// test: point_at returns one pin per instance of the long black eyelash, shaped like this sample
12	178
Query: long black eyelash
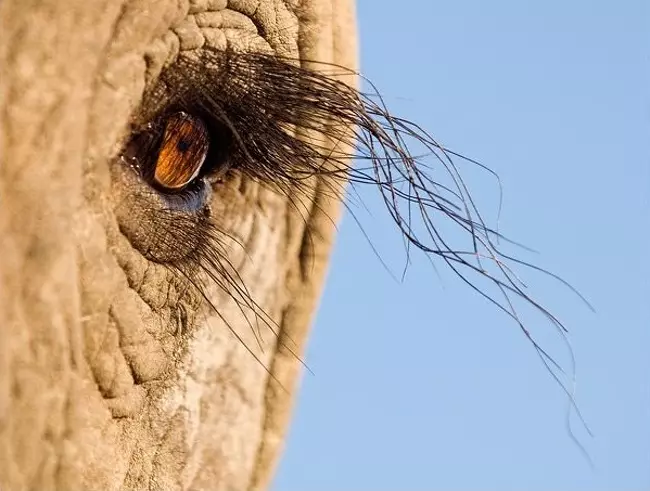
263	99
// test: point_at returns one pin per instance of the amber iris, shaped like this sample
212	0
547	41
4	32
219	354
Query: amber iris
182	152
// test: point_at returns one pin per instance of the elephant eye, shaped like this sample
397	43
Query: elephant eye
177	150
182	153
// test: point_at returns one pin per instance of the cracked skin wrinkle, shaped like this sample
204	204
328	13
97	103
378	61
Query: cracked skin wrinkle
172	175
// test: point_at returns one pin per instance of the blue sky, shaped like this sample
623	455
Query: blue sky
423	385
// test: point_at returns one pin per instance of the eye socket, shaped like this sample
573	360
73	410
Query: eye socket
182	152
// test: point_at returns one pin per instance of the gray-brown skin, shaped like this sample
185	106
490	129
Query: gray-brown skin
113	376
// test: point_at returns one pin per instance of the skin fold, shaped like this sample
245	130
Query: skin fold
113	374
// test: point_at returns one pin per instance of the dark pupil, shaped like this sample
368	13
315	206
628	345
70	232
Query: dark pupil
183	145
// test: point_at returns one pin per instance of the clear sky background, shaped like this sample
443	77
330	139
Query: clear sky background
423	385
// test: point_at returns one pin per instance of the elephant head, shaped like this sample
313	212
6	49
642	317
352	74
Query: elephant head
171	176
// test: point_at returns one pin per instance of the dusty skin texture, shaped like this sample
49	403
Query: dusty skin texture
110	377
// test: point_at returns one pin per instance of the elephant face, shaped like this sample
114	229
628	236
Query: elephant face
171	177
152	336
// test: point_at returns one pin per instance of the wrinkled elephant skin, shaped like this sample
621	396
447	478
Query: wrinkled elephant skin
113	373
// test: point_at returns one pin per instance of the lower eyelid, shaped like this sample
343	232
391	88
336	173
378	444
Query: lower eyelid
164	228
191	199
131	182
